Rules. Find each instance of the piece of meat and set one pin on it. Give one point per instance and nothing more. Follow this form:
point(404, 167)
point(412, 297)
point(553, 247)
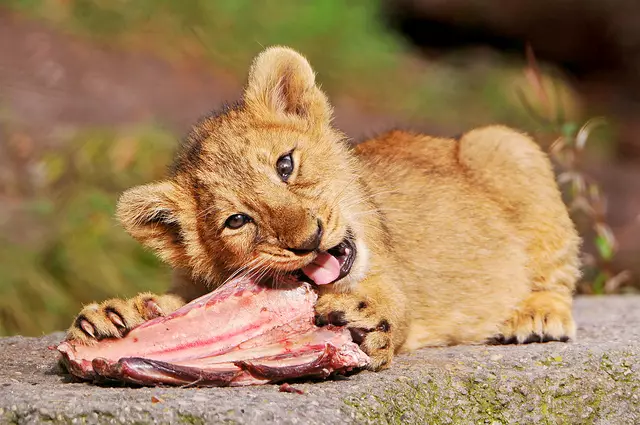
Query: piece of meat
point(286, 388)
point(241, 334)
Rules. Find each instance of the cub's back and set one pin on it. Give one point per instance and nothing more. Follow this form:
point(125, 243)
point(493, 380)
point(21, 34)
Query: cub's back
point(471, 220)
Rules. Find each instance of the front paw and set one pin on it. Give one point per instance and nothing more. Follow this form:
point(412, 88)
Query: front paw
point(115, 317)
point(369, 326)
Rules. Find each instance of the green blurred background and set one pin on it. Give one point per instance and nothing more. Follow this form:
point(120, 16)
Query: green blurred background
point(95, 95)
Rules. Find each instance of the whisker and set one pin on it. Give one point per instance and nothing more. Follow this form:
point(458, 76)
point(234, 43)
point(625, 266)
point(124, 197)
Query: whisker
point(250, 265)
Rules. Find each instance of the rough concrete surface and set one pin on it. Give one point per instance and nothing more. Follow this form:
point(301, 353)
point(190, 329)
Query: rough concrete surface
point(594, 380)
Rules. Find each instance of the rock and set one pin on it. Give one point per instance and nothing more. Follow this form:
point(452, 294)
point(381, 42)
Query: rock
point(594, 380)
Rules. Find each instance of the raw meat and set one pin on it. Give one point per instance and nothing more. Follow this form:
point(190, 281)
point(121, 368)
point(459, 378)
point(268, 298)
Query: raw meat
point(241, 334)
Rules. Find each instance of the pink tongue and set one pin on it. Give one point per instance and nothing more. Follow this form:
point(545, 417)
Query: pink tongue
point(325, 269)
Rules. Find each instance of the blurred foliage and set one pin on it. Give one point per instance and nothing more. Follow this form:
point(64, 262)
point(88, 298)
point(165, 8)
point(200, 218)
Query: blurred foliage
point(62, 246)
point(79, 254)
point(583, 196)
point(346, 41)
point(588, 206)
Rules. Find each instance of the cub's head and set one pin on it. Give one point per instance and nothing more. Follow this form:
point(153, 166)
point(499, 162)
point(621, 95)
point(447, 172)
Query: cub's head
point(266, 188)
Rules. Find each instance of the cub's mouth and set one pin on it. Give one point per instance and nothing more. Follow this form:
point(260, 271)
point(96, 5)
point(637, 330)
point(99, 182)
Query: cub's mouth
point(330, 265)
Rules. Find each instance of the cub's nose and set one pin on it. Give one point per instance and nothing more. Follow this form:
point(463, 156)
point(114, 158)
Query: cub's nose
point(310, 244)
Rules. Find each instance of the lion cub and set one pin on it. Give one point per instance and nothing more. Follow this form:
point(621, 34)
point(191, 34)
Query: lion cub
point(412, 240)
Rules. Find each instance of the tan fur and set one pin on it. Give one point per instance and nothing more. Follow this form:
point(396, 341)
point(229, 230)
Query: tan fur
point(459, 241)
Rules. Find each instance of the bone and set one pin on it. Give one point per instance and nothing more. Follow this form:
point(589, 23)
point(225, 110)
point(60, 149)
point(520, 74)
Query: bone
point(241, 334)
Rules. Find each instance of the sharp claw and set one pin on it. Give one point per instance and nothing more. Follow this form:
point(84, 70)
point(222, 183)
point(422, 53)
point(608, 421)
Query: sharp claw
point(358, 334)
point(153, 308)
point(320, 320)
point(337, 318)
point(533, 338)
point(88, 328)
point(115, 318)
point(383, 326)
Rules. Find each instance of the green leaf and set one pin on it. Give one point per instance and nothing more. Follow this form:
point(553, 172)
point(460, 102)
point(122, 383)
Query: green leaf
point(569, 129)
point(604, 248)
point(599, 282)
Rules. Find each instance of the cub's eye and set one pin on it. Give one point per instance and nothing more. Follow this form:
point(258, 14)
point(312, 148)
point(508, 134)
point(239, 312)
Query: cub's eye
point(284, 166)
point(236, 221)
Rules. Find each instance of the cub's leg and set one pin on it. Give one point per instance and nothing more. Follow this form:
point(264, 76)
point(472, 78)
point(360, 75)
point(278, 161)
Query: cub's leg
point(512, 165)
point(374, 315)
point(115, 317)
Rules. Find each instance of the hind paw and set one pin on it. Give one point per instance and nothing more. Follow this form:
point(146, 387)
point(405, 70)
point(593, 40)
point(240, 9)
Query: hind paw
point(543, 317)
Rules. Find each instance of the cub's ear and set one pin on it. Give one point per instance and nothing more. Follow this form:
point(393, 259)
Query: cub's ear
point(148, 213)
point(281, 81)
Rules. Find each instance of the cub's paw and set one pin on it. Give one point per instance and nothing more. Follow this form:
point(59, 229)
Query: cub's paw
point(369, 328)
point(115, 317)
point(543, 317)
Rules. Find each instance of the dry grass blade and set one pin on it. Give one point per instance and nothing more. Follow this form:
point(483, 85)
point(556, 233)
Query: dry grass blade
point(584, 196)
point(585, 131)
point(534, 76)
point(616, 282)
